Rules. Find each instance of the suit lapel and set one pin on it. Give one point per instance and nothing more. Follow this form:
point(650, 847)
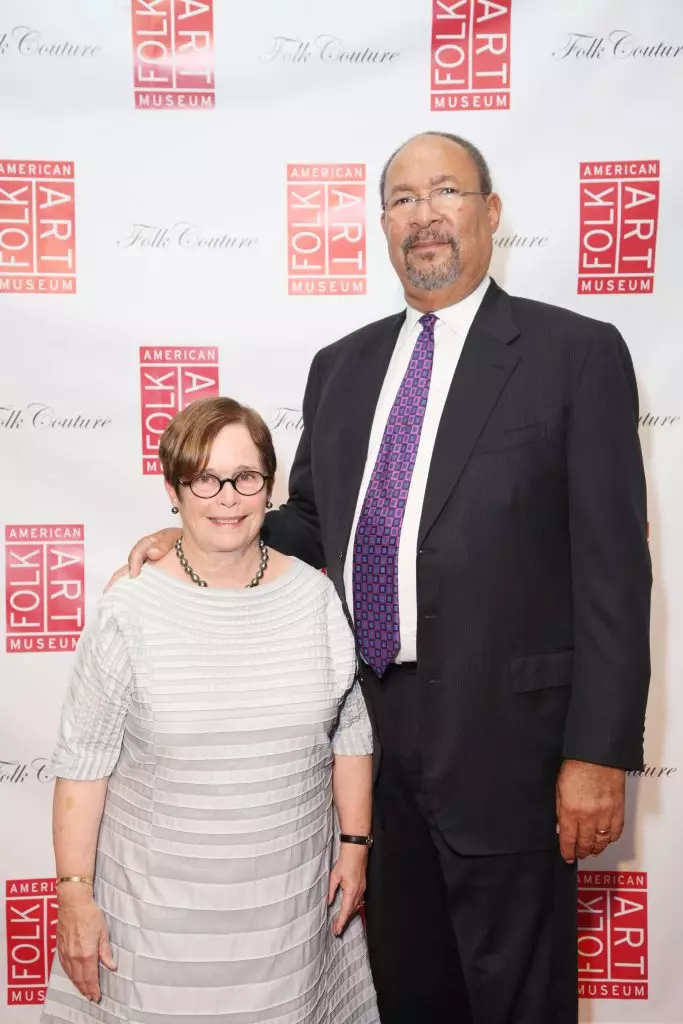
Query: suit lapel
point(486, 362)
point(361, 385)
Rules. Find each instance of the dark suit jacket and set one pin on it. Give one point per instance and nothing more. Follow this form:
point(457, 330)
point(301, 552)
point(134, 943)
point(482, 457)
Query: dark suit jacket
point(533, 570)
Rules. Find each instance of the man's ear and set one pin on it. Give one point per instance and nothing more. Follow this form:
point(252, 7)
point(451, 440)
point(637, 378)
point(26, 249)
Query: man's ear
point(495, 210)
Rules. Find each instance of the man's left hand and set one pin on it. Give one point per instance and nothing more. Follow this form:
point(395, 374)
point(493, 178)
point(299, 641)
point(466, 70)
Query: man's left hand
point(590, 808)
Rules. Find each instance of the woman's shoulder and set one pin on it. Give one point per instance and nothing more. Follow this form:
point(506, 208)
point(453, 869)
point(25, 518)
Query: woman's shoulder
point(127, 594)
point(133, 604)
point(300, 582)
point(320, 590)
point(305, 575)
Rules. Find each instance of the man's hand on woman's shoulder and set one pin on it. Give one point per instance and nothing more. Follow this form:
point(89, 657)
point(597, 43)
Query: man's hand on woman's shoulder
point(150, 548)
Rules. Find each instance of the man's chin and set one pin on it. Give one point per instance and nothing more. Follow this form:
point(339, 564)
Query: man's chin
point(431, 261)
point(431, 280)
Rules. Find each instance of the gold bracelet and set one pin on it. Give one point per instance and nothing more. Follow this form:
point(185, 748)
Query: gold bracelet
point(75, 878)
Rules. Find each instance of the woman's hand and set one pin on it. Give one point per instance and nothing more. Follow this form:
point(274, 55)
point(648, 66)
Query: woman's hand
point(150, 548)
point(349, 873)
point(83, 943)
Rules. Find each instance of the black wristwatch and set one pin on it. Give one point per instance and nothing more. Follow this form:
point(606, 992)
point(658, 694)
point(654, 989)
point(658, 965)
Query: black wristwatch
point(358, 840)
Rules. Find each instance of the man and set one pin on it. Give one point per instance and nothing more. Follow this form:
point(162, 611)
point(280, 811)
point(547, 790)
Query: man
point(470, 474)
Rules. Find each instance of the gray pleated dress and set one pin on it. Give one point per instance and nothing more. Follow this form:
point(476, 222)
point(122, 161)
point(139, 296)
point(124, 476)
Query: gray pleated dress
point(216, 714)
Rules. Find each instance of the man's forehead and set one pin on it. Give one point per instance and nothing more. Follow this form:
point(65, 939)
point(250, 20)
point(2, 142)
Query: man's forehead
point(430, 160)
point(436, 179)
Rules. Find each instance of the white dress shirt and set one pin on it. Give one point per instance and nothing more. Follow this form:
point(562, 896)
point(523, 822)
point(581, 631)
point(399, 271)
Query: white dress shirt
point(450, 332)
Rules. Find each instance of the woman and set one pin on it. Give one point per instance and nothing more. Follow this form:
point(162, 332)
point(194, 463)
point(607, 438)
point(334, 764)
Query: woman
point(212, 716)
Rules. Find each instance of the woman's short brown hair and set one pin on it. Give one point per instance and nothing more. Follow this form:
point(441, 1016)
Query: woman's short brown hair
point(185, 444)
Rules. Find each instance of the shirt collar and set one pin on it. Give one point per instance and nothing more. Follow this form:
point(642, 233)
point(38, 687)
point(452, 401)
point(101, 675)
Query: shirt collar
point(459, 316)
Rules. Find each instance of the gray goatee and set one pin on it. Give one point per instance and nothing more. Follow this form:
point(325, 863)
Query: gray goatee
point(431, 278)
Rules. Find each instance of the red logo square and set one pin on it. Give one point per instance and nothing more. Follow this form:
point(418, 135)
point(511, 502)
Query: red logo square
point(326, 252)
point(44, 587)
point(37, 227)
point(170, 379)
point(31, 919)
point(619, 213)
point(470, 65)
point(612, 924)
point(173, 55)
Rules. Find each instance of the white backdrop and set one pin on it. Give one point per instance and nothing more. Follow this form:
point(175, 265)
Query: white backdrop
point(193, 258)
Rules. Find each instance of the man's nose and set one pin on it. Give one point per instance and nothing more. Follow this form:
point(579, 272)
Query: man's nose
point(423, 214)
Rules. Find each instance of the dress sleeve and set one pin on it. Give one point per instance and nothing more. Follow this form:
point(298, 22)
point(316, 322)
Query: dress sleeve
point(352, 733)
point(96, 703)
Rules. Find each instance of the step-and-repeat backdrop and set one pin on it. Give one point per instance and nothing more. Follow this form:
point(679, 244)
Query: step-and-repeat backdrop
point(188, 206)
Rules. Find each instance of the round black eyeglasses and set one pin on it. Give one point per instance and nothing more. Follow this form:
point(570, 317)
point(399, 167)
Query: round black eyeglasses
point(208, 485)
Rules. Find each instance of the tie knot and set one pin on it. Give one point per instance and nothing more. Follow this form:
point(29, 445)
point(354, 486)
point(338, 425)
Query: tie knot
point(428, 320)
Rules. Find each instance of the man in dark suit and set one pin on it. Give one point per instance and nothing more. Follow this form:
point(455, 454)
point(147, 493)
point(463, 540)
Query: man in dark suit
point(470, 474)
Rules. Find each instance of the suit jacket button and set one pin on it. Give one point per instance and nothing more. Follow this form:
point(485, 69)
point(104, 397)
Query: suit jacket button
point(340, 556)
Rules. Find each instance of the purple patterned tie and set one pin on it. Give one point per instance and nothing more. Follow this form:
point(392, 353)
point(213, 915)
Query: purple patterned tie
point(375, 549)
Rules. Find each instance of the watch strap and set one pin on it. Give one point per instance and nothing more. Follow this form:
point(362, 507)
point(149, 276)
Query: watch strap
point(344, 837)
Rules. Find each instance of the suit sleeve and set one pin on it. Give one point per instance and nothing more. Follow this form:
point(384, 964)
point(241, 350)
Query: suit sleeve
point(294, 528)
point(352, 733)
point(611, 568)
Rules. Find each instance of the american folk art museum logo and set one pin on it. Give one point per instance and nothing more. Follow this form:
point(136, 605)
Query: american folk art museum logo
point(37, 226)
point(31, 921)
point(613, 935)
point(619, 213)
point(170, 379)
point(470, 58)
point(173, 54)
point(44, 587)
point(326, 234)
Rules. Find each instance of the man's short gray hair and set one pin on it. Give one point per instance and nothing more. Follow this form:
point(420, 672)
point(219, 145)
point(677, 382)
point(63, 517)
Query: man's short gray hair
point(483, 171)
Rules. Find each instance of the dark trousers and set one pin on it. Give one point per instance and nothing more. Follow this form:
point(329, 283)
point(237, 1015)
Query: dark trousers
point(452, 938)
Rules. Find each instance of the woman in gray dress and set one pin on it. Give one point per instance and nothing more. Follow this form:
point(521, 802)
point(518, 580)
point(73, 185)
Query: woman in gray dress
point(212, 803)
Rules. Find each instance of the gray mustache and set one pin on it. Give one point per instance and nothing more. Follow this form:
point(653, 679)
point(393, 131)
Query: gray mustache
point(412, 240)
